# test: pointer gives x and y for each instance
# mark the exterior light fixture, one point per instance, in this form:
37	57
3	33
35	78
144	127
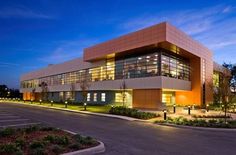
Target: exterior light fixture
174	108
165	114
140	58
40	101
52	103
189	110
31	101
85	106
207	107
66	104
148	57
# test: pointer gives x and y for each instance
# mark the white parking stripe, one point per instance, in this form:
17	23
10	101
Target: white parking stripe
2	117
13	120
18	125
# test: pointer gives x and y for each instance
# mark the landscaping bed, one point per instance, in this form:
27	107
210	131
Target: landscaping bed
130	112
41	140
211	116
213	123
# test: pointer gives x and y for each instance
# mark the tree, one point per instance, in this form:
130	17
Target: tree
44	90
72	90
232	68
123	89
222	93
84	86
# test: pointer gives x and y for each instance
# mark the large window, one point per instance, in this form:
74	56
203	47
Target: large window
156	63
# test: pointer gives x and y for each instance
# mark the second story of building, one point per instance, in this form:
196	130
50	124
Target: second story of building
160	56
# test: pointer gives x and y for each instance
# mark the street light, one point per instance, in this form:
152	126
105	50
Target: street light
165	113
66	104
40	101
51	103
85	106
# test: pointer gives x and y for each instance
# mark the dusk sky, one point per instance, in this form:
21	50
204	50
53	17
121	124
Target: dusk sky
35	33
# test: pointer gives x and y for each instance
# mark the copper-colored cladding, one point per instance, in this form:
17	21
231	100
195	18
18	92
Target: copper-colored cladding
164	35
147	98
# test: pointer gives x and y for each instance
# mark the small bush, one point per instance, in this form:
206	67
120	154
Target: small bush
20	143
60	140
124	111
48	129
7	132
84	140
8	148
75	146
57	149
38	151
36	144
32	129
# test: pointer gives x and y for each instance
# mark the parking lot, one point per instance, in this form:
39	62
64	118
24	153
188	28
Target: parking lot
8	119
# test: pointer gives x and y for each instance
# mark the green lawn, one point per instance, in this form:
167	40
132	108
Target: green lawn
91	108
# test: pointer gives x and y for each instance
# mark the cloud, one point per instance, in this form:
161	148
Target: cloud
67	50
213	26
22	12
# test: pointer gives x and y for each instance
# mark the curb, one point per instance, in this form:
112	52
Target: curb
195	128
83	112
89	151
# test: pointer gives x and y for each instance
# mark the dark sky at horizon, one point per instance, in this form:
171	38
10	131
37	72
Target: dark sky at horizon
35	33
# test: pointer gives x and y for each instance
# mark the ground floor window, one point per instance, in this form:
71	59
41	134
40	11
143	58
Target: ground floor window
88	97
118	97
168	98
103	97
95	97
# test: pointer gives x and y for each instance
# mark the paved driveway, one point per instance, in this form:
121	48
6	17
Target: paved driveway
124	137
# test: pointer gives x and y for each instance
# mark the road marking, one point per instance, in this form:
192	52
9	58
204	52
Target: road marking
9	117
17	125
13	120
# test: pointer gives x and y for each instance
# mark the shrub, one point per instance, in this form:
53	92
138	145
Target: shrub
75	146
57	149
60	140
36	144
8	148
48	129
32	129
37	151
7	132
84	140
20	143
124	111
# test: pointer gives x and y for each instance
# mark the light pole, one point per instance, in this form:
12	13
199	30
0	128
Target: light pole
40	101
51	103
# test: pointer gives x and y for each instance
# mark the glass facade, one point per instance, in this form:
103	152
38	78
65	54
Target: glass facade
157	63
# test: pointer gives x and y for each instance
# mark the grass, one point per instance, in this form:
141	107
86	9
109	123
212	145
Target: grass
91	108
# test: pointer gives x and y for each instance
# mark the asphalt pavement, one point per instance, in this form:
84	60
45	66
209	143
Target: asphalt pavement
123	137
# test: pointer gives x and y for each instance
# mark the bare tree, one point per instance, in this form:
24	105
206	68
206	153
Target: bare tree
44	90
72	89
123	89
222	93
84	86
